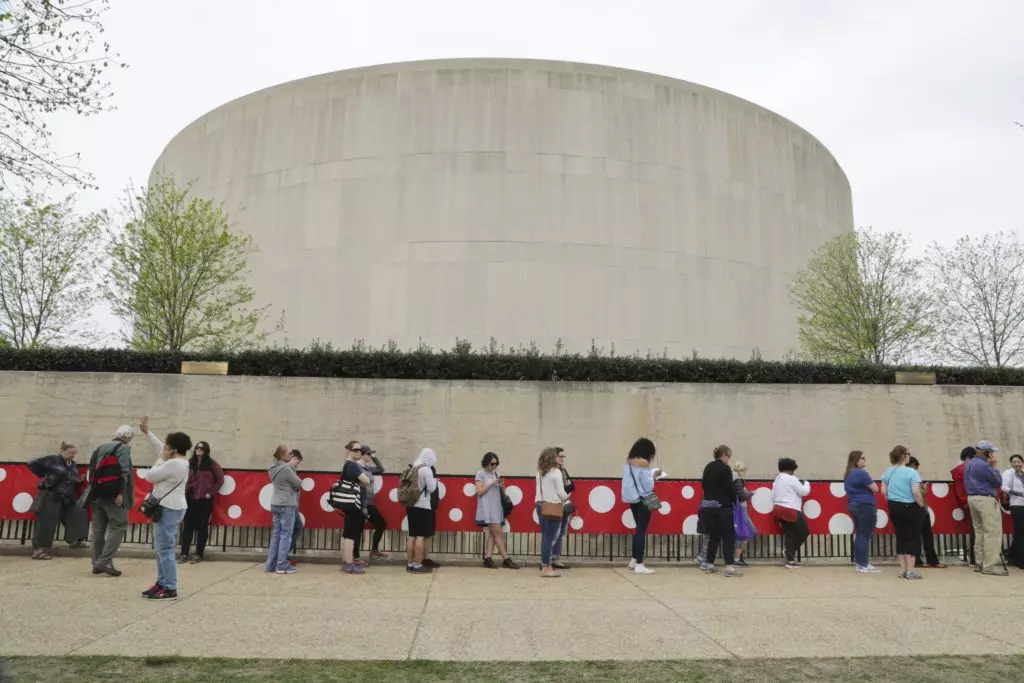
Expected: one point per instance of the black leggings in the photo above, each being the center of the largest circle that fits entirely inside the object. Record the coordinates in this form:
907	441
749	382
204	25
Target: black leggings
906	519
718	524
642	517
795	533
380	525
197	521
1016	553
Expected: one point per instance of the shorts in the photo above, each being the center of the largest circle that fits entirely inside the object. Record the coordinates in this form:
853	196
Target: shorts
421	522
354	523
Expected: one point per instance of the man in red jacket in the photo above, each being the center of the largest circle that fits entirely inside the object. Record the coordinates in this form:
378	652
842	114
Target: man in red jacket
960	493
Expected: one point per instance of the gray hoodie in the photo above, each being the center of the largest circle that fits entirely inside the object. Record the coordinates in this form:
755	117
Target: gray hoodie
286	484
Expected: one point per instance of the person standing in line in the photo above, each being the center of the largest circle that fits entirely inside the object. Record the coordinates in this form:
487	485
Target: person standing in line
863	507
550	492
489	513
56	503
1013	487
169	476
297	528
983	481
927	537
435	502
637	482
205	477
284	506
960	493
422	517
567	512
901	487
373	468
787	499
743	496
355	520
716	509
110	493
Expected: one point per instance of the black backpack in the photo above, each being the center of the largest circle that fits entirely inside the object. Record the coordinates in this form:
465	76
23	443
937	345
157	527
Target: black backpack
106	480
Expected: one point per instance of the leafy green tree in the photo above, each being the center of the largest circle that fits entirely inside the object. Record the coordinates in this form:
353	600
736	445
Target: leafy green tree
50	63
863	300
980	286
178	274
48	270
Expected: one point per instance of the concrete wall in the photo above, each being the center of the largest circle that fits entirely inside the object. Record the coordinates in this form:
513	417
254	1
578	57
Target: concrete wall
521	200
243	418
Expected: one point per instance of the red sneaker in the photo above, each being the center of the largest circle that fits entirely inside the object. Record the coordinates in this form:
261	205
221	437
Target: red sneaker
361	563
293	563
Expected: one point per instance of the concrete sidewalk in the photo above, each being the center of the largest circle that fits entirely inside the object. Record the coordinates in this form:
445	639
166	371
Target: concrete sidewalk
234	609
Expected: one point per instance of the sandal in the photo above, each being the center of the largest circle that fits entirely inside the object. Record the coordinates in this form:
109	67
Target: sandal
41	555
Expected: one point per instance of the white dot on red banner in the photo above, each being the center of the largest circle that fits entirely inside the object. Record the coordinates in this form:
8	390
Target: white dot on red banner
536	519
958	515
324	504
266	493
441	490
840	524
762	500
688	492
576	522
838	489
882	519
3	474
931	517
393	495
515	494
469	489
627	520
665	508
812	509
378	484
22	502
234	512
505	527
939	490
602	499
690	525
302	518
405	524
308	484
228	487
455	514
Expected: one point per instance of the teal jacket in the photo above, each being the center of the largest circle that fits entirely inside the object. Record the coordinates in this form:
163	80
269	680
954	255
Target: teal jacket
124	457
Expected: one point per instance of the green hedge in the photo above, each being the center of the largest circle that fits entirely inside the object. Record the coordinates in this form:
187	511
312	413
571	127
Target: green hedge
387	364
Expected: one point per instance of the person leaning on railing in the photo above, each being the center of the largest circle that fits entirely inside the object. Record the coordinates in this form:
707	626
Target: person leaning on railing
787	507
931	557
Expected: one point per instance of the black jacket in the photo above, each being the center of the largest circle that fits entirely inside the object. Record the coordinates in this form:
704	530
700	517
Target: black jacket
717	483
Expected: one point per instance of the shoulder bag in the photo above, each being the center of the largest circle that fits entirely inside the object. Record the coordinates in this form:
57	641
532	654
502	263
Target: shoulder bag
650	500
548	510
151	507
345	495
783	513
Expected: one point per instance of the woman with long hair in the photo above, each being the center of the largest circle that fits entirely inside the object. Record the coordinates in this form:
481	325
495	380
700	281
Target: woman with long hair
489	513
788	499
55	502
637	482
1013	487
550	500
205	477
901	486
860	500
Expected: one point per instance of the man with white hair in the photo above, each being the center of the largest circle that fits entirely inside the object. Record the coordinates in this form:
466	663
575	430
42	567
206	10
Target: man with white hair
111	492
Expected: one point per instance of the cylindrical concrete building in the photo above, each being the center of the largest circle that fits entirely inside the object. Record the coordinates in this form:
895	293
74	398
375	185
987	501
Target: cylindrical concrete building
519	200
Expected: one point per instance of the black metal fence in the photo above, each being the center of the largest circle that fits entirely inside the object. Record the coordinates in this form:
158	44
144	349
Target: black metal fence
669	547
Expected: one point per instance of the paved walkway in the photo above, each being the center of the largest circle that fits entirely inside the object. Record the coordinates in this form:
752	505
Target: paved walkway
234	609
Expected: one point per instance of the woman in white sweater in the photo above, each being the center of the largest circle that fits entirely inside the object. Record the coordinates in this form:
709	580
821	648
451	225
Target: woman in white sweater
550	500
169	475
788	497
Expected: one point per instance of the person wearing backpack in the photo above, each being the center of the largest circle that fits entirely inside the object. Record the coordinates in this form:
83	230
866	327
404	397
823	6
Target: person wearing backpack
169	476
110	493
415	489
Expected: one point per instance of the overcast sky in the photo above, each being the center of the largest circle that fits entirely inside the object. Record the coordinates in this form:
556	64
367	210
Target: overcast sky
915	98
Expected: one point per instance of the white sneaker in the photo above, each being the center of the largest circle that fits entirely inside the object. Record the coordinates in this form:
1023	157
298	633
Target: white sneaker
632	564
869	569
640	569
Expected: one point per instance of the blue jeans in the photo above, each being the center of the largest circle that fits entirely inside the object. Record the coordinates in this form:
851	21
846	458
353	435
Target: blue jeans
296	530
280	537
548	531
563	526
864	517
165	538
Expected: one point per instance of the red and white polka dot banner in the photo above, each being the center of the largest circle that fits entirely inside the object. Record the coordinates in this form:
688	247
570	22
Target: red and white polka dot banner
244	500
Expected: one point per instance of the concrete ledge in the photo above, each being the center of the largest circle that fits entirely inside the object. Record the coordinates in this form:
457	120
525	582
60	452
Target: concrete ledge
191	367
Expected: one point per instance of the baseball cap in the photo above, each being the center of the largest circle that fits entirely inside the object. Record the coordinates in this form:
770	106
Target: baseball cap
366	450
987	446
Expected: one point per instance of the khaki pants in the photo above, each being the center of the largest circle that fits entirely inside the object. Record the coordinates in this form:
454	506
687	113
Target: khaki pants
988	531
109	522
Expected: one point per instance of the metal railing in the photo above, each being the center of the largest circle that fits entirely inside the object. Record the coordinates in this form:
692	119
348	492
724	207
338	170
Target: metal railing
667	547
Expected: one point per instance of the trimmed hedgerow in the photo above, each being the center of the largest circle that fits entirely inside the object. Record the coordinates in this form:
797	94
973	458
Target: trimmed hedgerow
461	364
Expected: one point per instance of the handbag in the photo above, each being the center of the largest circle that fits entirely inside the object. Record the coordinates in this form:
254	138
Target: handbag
785	514
345	495
650	500
506	502
551	511
740	524
150	506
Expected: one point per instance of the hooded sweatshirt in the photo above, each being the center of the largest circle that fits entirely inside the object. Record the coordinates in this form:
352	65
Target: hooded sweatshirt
428	482
286	484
